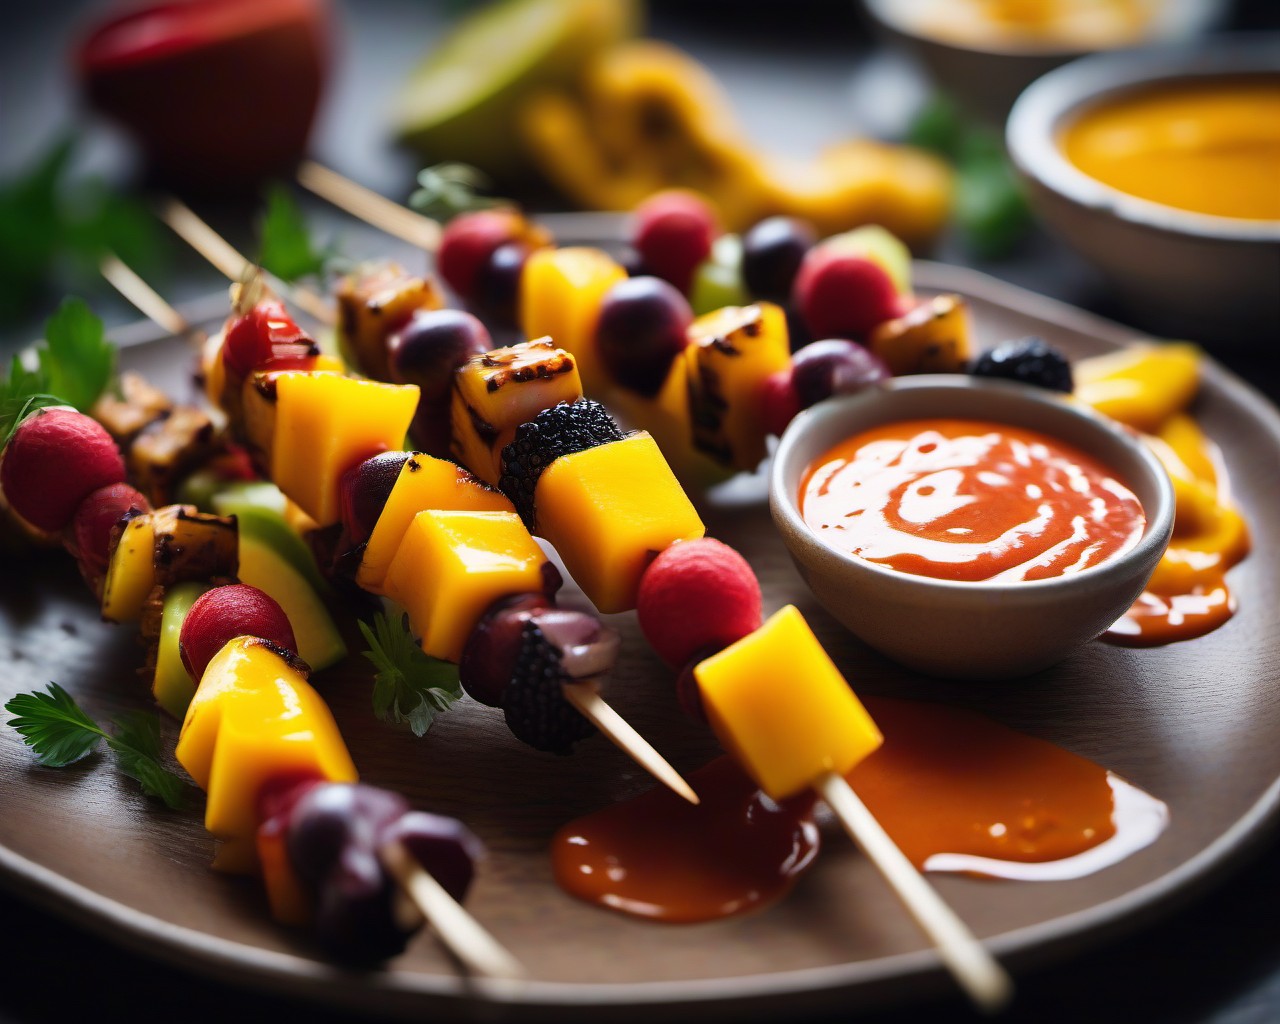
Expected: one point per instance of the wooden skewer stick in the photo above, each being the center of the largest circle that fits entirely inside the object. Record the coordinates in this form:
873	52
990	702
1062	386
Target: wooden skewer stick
218	251
369	206
465	937
586	698
985	981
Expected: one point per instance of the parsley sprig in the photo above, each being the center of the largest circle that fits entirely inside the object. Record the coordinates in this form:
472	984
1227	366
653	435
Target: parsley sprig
286	247
448	189
75	365
57	729
410	686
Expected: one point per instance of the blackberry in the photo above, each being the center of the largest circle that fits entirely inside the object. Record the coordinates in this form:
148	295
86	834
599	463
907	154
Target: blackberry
533	702
561	430
1030	360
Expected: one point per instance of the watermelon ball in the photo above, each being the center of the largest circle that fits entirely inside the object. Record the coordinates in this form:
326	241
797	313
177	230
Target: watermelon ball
89	535
673	235
470	240
696	594
779	401
55	459
224	613
841	295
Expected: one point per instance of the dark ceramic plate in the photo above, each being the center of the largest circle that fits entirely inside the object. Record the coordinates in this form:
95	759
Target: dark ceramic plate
1194	723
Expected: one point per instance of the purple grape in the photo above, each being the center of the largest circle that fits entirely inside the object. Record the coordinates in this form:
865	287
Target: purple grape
428	350
498	285
364	490
640	331
489	658
772	251
834	367
446	848
332	819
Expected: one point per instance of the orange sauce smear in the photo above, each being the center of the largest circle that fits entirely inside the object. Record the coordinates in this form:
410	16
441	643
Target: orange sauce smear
969	500
958	792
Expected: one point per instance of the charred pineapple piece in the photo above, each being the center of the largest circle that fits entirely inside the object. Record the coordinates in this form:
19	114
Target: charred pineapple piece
730	354
934	337
131	571
169	449
192	545
255	425
137	407
374	302
495	392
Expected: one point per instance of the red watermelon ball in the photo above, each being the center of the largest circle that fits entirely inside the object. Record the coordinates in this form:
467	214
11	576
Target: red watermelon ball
224	613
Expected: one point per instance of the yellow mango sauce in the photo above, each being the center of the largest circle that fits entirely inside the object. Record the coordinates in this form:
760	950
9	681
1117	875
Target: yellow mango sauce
1210	146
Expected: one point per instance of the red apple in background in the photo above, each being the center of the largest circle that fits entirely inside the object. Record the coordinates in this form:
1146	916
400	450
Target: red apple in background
217	93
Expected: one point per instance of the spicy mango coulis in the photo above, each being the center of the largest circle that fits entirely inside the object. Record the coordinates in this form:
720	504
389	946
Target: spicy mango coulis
1210	146
969	500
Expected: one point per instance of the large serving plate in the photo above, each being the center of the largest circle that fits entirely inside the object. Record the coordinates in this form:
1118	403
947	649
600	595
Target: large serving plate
1193	723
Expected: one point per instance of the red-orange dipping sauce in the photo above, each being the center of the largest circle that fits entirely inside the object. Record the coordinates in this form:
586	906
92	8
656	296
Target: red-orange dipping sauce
969	500
957	792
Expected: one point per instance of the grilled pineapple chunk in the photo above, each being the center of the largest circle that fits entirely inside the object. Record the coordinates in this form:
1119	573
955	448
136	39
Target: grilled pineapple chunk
931	338
169	448
495	392
137	406
374	302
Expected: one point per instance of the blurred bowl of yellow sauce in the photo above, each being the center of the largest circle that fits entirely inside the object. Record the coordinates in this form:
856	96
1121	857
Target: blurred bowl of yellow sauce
985	52
1162	167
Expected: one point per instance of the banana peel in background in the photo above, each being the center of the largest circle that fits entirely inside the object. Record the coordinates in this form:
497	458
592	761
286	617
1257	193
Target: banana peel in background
607	120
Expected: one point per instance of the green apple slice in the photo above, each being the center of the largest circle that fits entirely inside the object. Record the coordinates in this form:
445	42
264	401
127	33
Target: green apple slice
880	246
171	686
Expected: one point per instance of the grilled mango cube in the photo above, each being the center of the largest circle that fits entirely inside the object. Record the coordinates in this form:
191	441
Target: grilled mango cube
452	565
325	424
560	295
131	572
374	302
495	392
730	353
424	483
609	510
934	337
254	718
784	736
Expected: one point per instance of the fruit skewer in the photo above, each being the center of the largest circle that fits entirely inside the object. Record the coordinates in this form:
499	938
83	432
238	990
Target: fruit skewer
256	736
582	695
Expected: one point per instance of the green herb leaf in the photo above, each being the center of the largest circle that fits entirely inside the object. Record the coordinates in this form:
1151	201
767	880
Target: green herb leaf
22	392
287	249
76	358
446	190
136	743
410	686
53	725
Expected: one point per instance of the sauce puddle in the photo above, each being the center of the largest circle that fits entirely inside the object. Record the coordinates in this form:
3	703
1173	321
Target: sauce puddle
957	792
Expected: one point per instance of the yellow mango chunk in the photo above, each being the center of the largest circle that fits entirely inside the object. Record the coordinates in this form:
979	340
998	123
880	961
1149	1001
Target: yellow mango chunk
730	354
1141	386
324	425
560	295
933	337
254	718
424	483
609	510
782	709
452	565
131	573
1185	438
496	391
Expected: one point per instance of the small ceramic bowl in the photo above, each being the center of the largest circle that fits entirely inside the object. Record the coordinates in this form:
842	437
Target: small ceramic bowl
966	630
1180	273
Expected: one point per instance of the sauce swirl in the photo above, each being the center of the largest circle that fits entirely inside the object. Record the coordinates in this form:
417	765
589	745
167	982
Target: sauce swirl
969	500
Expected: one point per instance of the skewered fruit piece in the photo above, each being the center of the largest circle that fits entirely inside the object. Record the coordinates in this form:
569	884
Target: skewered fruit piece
265	336
673	232
932	337
497	289
220	615
324	425
1029	360
785	737
1141	386
375	303
169	448
255	718
261	509
495	392
366	487
172	685
470	240
451	566
131	573
697	594
422	483
834	367
843	295
561	430
89	535
717	280
879	246
53	461
779	403
731	353
427	351
561	291
608	510
772	251
521	655
640	332
137	405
